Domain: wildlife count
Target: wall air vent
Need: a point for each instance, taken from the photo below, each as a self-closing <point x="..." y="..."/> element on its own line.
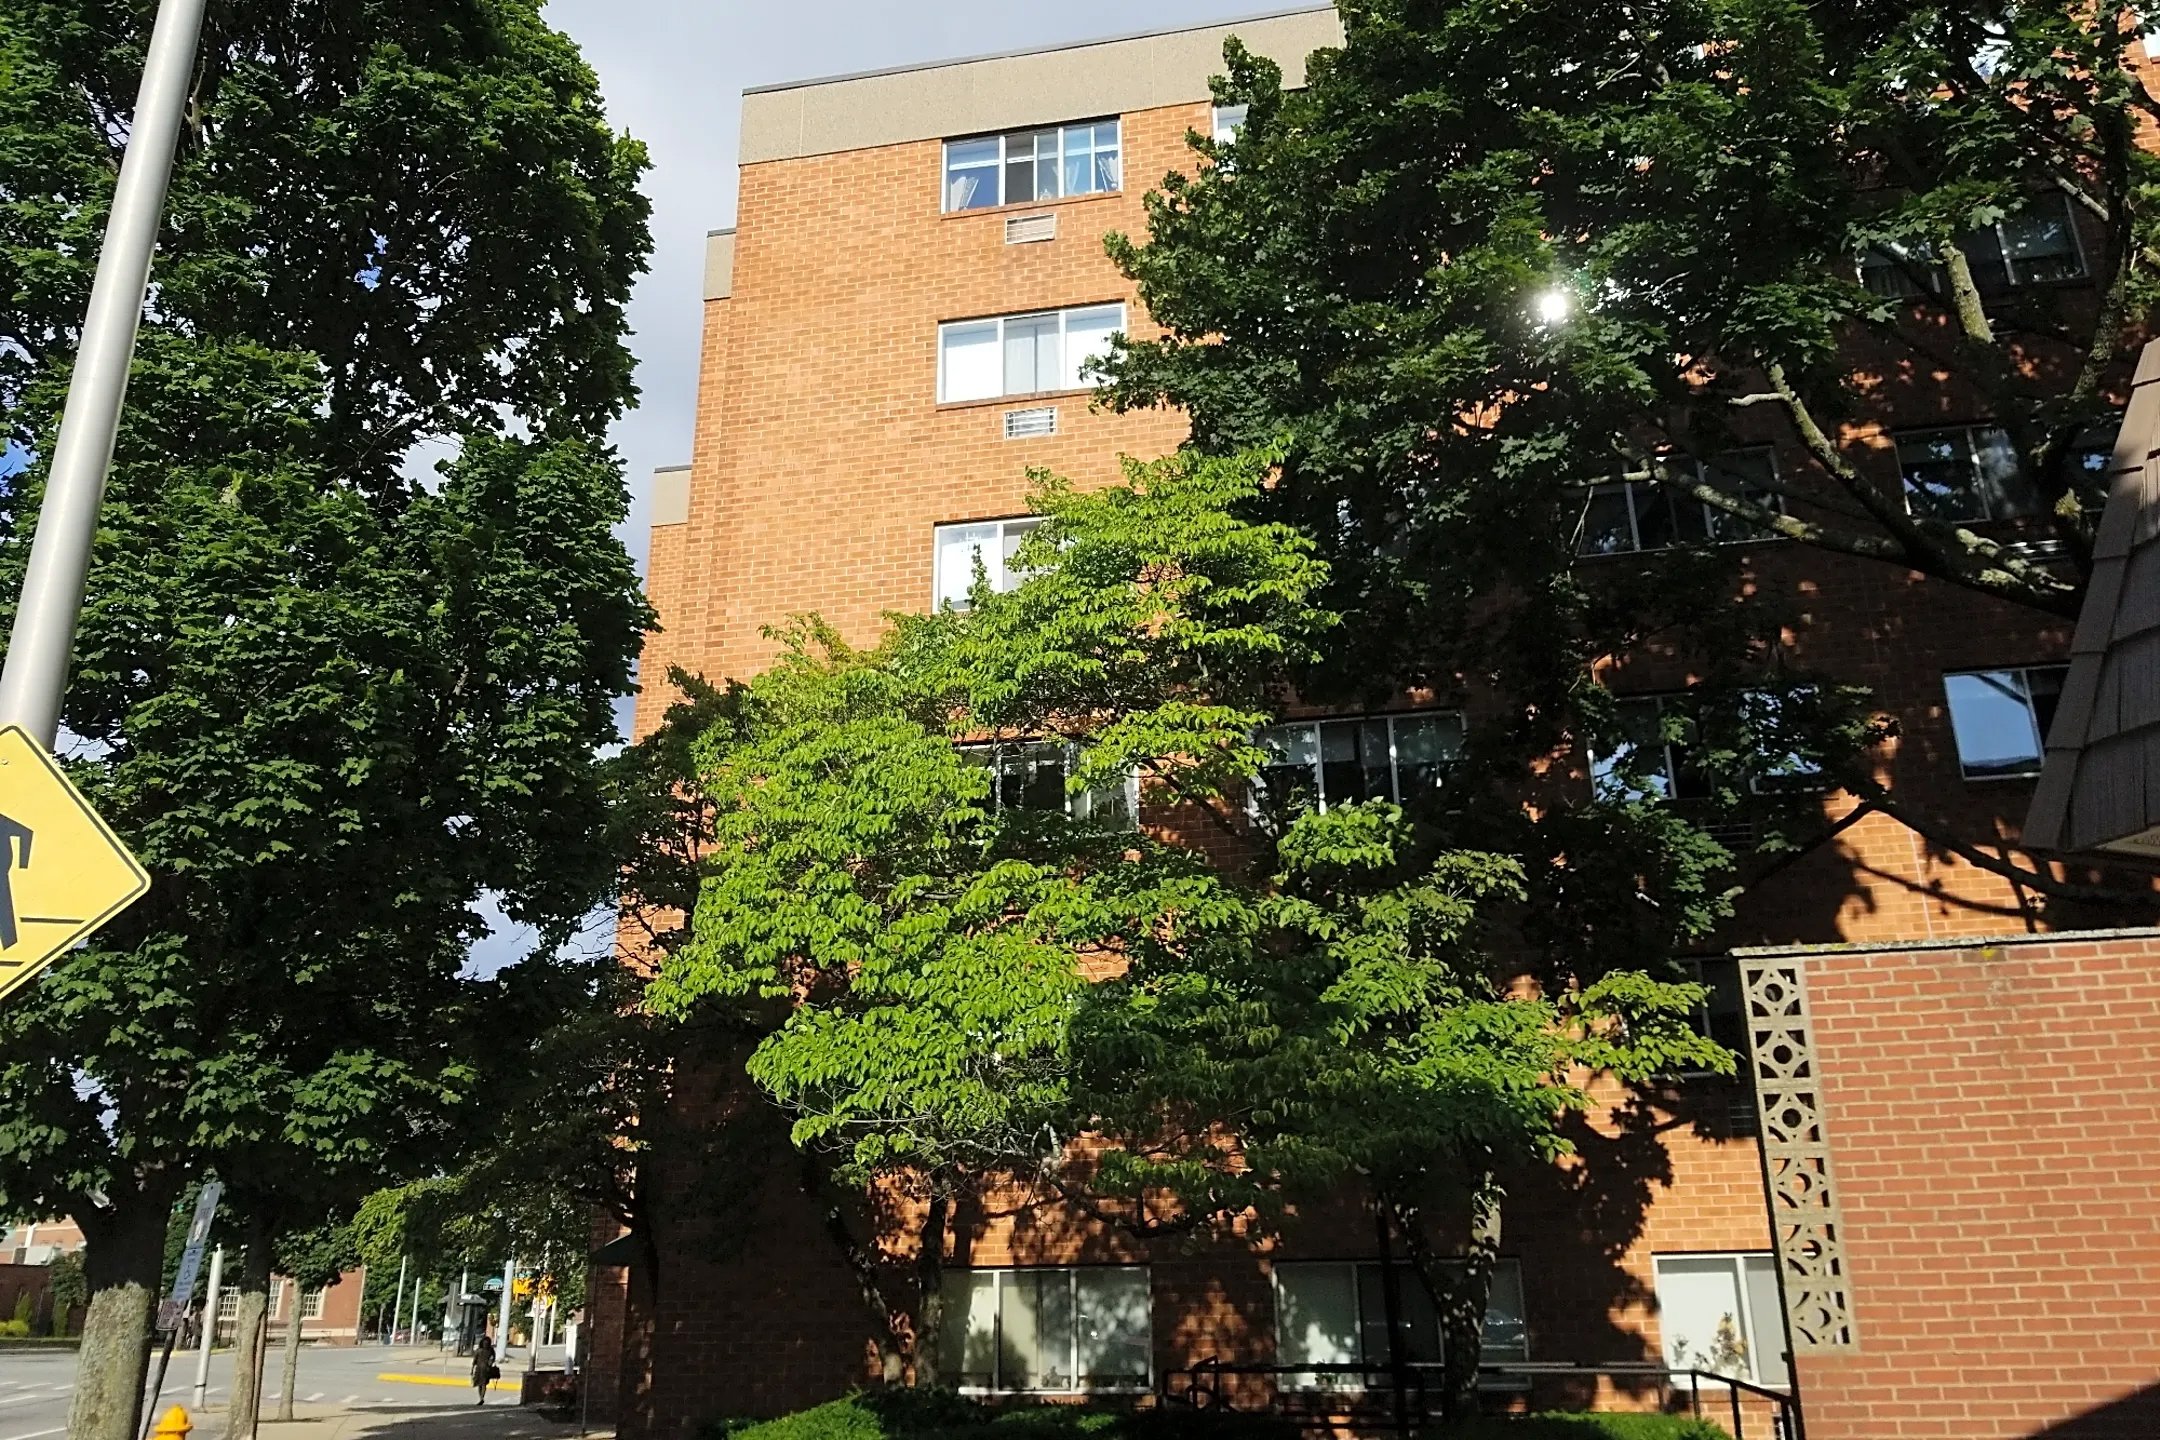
<point x="1036" y="420"/>
<point x="1027" y="229"/>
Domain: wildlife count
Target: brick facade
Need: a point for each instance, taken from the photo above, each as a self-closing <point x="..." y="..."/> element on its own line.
<point x="1989" y="1109"/>
<point x="820" y="466"/>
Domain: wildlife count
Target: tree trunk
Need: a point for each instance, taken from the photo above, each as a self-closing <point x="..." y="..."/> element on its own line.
<point x="1462" y="1316"/>
<point x="930" y="1290"/>
<point x="124" y="1261"/>
<point x="292" y="1355"/>
<point x="252" y="1308"/>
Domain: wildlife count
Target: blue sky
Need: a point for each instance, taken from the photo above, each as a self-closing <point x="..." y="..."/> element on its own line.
<point x="674" y="72"/>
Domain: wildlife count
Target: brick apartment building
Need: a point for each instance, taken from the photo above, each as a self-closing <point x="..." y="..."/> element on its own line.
<point x="892" y="338"/>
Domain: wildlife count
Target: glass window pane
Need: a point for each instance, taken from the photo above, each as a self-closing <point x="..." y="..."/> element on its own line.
<point x="2038" y="243"/>
<point x="1007" y="574"/>
<point x="968" y="365"/>
<point x="1992" y="717"/>
<point x="1655" y="526"/>
<point x="1290" y="777"/>
<point x="1027" y="339"/>
<point x="1342" y="763"/>
<point x="969" y="1338"/>
<point x="1749" y="475"/>
<point x="1507" y="1337"/>
<point x="1699" y="1314"/>
<point x="2090" y="461"/>
<point x="1036" y="1325"/>
<point x="1032" y="777"/>
<point x="1111" y="1330"/>
<point x="2003" y="488"/>
<point x="971" y="174"/>
<point x="1637" y="764"/>
<point x="1087" y="338"/>
<point x="2044" y="687"/>
<point x="1079" y="173"/>
<point x="1608" y="527"/>
<point x="1227" y="120"/>
<point x="1766" y="1318"/>
<point x="1900" y="270"/>
<point x="1937" y="466"/>
<point x="958" y="549"/>
<point x="1418" y="1330"/>
<point x="1424" y="747"/>
<point x="1316" y="1319"/>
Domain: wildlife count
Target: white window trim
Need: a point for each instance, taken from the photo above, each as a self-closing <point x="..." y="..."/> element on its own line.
<point x="1078" y="805"/>
<point x="1072" y="1281"/>
<point x="1319" y="765"/>
<point x="1949" y="714"/>
<point x="996" y="573"/>
<point x="1357" y="1302"/>
<point x="1747" y="1311"/>
<point x="945" y="205"/>
<point x="1064" y="319"/>
<point x="1223" y="130"/>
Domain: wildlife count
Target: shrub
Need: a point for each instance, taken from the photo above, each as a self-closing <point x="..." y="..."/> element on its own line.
<point x="1598" y="1426"/>
<point x="943" y="1415"/>
<point x="14" y="1329"/>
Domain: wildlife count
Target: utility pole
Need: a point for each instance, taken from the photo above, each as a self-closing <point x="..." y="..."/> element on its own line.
<point x="397" y="1304"/>
<point x="502" y="1322"/>
<point x="209" y="1327"/>
<point x="43" y="640"/>
<point x="412" y="1332"/>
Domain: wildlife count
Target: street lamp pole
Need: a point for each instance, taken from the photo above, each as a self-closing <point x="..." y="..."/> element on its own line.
<point x="44" y="636"/>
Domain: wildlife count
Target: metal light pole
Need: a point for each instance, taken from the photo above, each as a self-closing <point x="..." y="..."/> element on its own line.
<point x="397" y="1302"/>
<point x="209" y="1329"/>
<point x="52" y="594"/>
<point x="502" y="1323"/>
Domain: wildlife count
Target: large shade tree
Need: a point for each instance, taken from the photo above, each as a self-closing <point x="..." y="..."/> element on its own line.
<point x="1497" y="252"/>
<point x="329" y="692"/>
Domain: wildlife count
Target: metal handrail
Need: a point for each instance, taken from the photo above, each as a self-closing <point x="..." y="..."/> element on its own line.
<point x="1786" y="1420"/>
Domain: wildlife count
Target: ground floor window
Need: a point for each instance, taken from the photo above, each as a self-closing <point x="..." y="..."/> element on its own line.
<point x="1084" y="1328"/>
<point x="1334" y="1312"/>
<point x="311" y="1306"/>
<point x="1721" y="1313"/>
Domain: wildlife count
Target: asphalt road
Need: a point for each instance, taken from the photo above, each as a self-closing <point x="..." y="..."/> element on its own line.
<point x="36" y="1383"/>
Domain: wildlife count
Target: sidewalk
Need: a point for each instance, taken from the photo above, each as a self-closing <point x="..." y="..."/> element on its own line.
<point x="421" y="1422"/>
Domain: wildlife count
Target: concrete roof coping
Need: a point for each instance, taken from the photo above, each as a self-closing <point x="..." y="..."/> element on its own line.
<point x="1969" y="942"/>
<point x="840" y="79"/>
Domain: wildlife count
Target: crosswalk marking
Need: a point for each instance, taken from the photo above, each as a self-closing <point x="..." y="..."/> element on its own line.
<point x="38" y="1434"/>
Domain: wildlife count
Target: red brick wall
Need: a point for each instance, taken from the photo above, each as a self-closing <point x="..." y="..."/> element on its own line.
<point x="1990" y="1111"/>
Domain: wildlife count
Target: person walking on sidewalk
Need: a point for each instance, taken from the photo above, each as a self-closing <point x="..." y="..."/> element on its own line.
<point x="483" y="1365"/>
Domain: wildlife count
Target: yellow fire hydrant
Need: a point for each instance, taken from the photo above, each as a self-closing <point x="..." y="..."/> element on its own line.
<point x="173" y="1425"/>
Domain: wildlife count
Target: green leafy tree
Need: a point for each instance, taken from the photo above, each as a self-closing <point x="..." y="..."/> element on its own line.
<point x="1493" y="253"/>
<point x="972" y="971"/>
<point x="312" y="1259"/>
<point x="328" y="698"/>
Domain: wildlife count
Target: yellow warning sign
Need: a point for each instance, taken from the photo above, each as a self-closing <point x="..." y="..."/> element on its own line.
<point x="63" y="872"/>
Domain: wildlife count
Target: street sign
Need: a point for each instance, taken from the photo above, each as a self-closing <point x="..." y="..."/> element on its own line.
<point x="198" y="1236"/>
<point x="63" y="873"/>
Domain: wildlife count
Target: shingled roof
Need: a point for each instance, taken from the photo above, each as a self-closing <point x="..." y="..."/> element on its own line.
<point x="2100" y="787"/>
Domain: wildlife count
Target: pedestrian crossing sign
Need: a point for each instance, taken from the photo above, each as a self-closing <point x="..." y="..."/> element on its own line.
<point x="63" y="872"/>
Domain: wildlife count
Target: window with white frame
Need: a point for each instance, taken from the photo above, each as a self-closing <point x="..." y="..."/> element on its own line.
<point x="1024" y="166"/>
<point x="1227" y="119"/>
<point x="1063" y="1331"/>
<point x="1024" y="354"/>
<point x="2035" y="245"/>
<point x="990" y="544"/>
<point x="1965" y="472"/>
<point x="1031" y="775"/>
<point x="1638" y="515"/>
<point x="1333" y="1314"/>
<point x="1372" y="757"/>
<point x="2001" y="718"/>
<point x="228" y="1304"/>
<point x="311" y="1304"/>
<point x="1721" y="1313"/>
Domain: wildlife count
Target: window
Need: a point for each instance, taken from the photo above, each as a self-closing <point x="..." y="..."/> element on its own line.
<point x="1064" y="1331"/>
<point x="1227" y="119"/>
<point x="2037" y="245"/>
<point x="1722" y="1017"/>
<point x="1031" y="165"/>
<point x="2001" y="718"/>
<point x="228" y="1304"/>
<point x="1721" y="1313"/>
<point x="1966" y="473"/>
<point x="1334" y="1313"/>
<point x="992" y="542"/>
<point x="1376" y="757"/>
<point x="1654" y="755"/>
<point x="1031" y="775"/>
<point x="1650" y="760"/>
<point x="311" y="1304"/>
<point x="1644" y="515"/>
<point x="1023" y="354"/>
